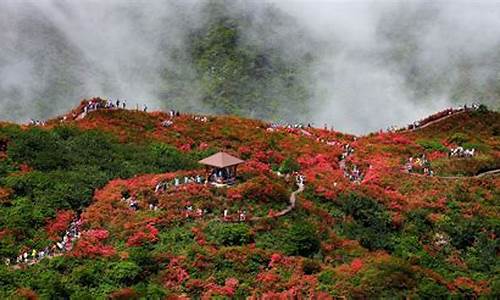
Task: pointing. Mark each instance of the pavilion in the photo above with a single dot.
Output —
(221, 167)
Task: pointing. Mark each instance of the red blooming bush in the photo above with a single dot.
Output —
(175, 273)
(148, 235)
(356, 265)
(275, 258)
(91, 244)
(59, 224)
(253, 168)
(230, 286)
(268, 279)
(259, 188)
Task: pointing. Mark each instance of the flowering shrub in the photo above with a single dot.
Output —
(212, 290)
(175, 273)
(388, 227)
(356, 265)
(91, 244)
(148, 235)
(60, 224)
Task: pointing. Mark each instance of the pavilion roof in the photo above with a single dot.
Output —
(221, 160)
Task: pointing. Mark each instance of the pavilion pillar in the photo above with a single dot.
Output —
(207, 174)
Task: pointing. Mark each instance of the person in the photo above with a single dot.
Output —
(124, 104)
(145, 108)
(134, 205)
(158, 187)
(225, 214)
(117, 103)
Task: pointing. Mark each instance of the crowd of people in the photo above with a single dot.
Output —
(172, 114)
(98, 103)
(190, 212)
(240, 216)
(300, 179)
(222, 176)
(276, 125)
(419, 123)
(160, 187)
(131, 202)
(167, 123)
(36, 122)
(202, 119)
(33, 256)
(414, 165)
(351, 172)
(462, 152)
(165, 185)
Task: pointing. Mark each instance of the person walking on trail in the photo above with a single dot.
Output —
(124, 104)
(117, 103)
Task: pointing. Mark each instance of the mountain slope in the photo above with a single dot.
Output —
(383, 233)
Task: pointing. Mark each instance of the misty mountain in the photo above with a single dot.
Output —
(358, 66)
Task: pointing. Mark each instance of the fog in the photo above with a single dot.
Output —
(390, 62)
(376, 63)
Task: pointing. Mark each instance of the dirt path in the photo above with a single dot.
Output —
(293, 201)
(480, 175)
(435, 121)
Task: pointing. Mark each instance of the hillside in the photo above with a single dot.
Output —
(108, 203)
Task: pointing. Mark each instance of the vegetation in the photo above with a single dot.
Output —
(246, 78)
(393, 235)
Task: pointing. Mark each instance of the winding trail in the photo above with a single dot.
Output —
(436, 121)
(289, 208)
(488, 173)
(480, 175)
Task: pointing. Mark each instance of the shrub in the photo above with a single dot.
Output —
(432, 145)
(429, 289)
(459, 138)
(289, 165)
(228, 234)
(391, 279)
(310, 267)
(372, 223)
(123, 272)
(302, 240)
